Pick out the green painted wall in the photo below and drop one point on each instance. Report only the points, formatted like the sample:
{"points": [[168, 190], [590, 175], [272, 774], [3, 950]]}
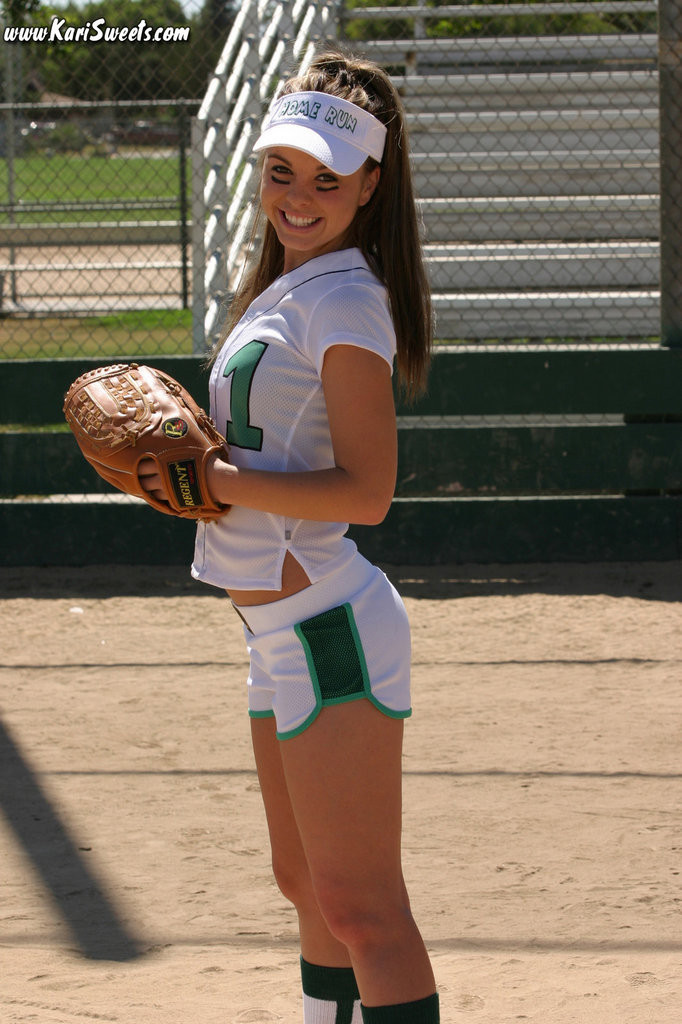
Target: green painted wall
{"points": [[501, 489]]}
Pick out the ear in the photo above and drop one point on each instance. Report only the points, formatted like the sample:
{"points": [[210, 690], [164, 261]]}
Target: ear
{"points": [[369, 186]]}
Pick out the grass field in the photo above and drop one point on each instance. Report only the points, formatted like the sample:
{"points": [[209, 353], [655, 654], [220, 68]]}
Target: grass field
{"points": [[126, 335], [152, 332], [70, 178]]}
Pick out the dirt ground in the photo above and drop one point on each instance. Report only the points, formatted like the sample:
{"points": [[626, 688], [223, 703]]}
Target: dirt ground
{"points": [[543, 785]]}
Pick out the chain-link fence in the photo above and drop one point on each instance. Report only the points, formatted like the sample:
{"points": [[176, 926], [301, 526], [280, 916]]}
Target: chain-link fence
{"points": [[95, 179], [535, 137]]}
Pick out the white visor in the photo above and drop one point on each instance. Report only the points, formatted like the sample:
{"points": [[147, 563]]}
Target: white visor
{"points": [[339, 134]]}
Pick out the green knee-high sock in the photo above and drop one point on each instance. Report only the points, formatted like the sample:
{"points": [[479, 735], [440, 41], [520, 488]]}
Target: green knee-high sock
{"points": [[423, 1011], [330, 995]]}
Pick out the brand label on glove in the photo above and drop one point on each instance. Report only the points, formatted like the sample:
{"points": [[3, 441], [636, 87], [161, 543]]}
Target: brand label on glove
{"points": [[183, 476], [175, 427]]}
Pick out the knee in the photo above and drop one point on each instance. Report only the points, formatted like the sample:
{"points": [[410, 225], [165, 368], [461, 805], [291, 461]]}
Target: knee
{"points": [[293, 881], [362, 919]]}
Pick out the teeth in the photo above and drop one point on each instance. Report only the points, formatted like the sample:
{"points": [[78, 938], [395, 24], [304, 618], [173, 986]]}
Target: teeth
{"points": [[299, 222]]}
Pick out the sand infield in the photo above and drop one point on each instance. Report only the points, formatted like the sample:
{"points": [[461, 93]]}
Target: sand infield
{"points": [[543, 786]]}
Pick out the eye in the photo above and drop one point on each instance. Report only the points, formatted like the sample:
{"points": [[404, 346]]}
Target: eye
{"points": [[282, 171], [327, 182]]}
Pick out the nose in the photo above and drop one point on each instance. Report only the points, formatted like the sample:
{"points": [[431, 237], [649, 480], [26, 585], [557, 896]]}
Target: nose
{"points": [[299, 194]]}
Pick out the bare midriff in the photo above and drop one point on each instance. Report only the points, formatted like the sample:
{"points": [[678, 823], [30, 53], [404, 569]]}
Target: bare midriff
{"points": [[294, 579]]}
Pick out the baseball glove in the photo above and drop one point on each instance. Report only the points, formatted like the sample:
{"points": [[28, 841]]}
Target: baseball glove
{"points": [[124, 413]]}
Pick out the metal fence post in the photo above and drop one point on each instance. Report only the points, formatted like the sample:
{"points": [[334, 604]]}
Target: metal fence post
{"points": [[670, 87], [184, 211], [9, 157], [198, 220]]}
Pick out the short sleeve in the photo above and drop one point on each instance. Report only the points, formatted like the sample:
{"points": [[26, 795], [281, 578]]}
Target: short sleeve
{"points": [[351, 314]]}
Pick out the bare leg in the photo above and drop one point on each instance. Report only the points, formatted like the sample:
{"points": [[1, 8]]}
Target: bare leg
{"points": [[343, 777], [318, 945]]}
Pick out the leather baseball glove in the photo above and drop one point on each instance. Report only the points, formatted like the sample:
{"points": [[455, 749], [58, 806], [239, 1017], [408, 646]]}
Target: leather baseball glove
{"points": [[125, 413]]}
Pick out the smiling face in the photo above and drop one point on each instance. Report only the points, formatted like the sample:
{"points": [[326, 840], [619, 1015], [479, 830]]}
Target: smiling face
{"points": [[310, 207]]}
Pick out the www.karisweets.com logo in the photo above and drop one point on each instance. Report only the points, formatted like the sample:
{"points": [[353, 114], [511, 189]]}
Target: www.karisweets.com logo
{"points": [[97, 31]]}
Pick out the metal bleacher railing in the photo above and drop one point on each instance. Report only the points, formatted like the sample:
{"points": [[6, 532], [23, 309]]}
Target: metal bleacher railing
{"points": [[535, 139], [265, 42], [535, 159]]}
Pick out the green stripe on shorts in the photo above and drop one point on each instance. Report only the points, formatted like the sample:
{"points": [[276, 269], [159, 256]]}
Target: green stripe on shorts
{"points": [[336, 661]]}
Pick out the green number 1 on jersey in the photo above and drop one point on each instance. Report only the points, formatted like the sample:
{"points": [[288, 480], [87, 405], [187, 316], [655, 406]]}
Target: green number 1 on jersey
{"points": [[241, 367]]}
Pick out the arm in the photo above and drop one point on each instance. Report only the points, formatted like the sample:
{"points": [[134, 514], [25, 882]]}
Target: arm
{"points": [[359, 487]]}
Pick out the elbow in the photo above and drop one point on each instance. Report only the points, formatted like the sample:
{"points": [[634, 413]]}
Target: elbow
{"points": [[370, 497], [375, 510]]}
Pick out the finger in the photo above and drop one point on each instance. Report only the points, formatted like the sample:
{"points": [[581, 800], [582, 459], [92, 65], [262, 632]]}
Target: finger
{"points": [[152, 483]]}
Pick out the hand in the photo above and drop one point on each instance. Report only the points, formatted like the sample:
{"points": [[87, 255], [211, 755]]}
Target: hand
{"points": [[220, 475], [151, 480]]}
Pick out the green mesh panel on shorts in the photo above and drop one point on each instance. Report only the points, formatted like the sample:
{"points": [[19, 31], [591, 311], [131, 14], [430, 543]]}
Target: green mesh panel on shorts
{"points": [[334, 654]]}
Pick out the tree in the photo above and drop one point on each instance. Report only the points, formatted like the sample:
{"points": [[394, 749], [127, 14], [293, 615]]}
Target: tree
{"points": [[114, 70], [19, 12], [90, 68]]}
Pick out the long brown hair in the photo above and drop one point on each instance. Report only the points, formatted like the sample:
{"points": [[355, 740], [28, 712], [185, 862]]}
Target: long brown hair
{"points": [[385, 230]]}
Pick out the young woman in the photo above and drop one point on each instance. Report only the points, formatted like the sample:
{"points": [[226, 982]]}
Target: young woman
{"points": [[302, 389]]}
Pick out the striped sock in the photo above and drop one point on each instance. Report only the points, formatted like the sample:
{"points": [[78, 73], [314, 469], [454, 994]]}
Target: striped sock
{"points": [[423, 1011], [330, 995]]}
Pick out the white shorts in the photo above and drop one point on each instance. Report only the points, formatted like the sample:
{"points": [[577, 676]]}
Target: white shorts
{"points": [[345, 638]]}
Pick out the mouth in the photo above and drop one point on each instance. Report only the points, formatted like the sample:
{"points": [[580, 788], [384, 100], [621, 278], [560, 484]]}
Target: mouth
{"points": [[298, 222]]}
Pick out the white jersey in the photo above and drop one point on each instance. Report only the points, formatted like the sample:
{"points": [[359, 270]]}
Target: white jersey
{"points": [[266, 396]]}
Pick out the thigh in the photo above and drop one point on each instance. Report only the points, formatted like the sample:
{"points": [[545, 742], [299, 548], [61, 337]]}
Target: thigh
{"points": [[344, 778], [318, 945], [285, 840]]}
